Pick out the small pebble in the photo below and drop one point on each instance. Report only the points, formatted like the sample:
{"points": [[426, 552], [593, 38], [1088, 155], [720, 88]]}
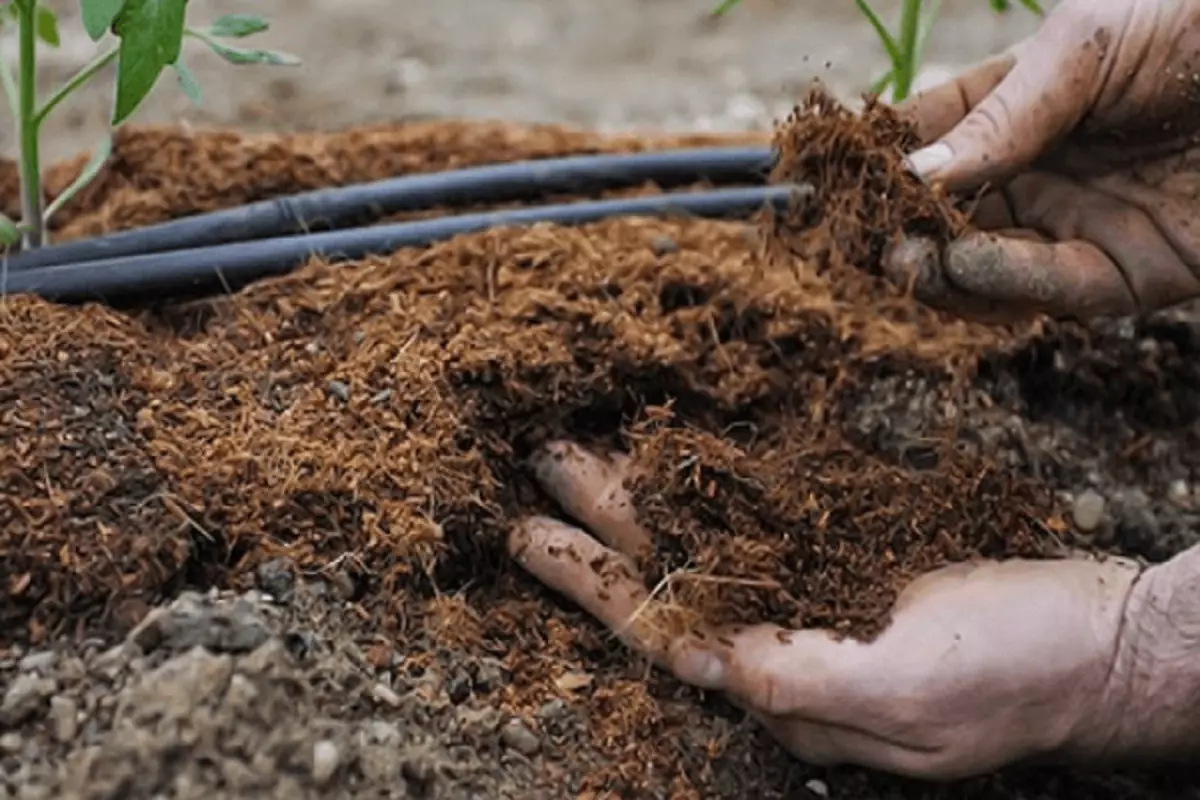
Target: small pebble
{"points": [[24, 698], [517, 736], [11, 742], [325, 761], [41, 661], [663, 245], [383, 694], [64, 718], [275, 578], [1088, 510], [817, 787], [1179, 493], [340, 390], [553, 710]]}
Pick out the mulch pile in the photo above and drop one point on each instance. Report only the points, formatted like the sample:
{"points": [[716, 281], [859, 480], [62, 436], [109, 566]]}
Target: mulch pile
{"points": [[371, 421]]}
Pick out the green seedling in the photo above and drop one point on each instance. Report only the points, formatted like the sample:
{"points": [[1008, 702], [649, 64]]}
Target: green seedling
{"points": [[905, 47], [149, 37]]}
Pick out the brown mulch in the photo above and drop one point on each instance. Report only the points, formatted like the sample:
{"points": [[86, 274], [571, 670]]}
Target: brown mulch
{"points": [[372, 420]]}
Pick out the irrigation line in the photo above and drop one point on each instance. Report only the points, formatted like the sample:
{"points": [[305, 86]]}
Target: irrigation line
{"points": [[343, 206], [227, 267]]}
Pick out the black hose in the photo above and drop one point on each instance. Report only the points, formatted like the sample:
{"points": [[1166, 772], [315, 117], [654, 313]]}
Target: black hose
{"points": [[226, 267], [339, 207]]}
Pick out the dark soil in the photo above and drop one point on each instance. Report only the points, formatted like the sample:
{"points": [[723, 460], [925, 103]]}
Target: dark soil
{"points": [[352, 439]]}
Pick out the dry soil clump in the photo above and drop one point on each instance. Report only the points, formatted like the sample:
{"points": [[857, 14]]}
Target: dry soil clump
{"points": [[367, 427]]}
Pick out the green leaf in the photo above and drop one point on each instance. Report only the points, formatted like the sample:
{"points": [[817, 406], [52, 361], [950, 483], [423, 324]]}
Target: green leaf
{"points": [[99, 16], [10, 234], [237, 55], [1034, 6], [151, 33], [889, 44], [47, 26], [880, 84], [88, 174], [187, 82], [236, 26], [726, 5]]}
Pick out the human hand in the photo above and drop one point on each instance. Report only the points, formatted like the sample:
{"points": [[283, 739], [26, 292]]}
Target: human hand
{"points": [[1088, 134], [982, 665]]}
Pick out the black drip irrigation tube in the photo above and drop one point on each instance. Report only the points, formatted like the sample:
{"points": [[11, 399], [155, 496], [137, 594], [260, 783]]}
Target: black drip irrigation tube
{"points": [[342, 206], [225, 250], [228, 267]]}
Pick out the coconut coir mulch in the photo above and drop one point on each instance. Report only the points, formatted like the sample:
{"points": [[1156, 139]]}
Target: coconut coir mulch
{"points": [[370, 422]]}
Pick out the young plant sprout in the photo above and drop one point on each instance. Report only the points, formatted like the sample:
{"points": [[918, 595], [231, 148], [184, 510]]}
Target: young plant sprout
{"points": [[905, 47], [149, 38]]}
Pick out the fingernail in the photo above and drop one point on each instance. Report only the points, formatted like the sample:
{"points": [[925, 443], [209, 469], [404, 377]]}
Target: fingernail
{"points": [[927, 161], [701, 669]]}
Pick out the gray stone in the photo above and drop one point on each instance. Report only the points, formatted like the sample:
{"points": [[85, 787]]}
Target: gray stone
{"points": [[64, 718], [516, 735], [25, 698], [1088, 510], [326, 758]]}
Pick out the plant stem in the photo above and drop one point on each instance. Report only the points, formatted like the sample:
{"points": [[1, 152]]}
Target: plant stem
{"points": [[910, 26], [78, 79], [31, 183]]}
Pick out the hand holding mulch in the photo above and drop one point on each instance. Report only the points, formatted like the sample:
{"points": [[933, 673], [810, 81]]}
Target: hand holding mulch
{"points": [[1084, 138], [982, 665]]}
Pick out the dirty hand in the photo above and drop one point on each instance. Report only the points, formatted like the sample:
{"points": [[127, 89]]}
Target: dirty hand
{"points": [[982, 665], [1086, 138]]}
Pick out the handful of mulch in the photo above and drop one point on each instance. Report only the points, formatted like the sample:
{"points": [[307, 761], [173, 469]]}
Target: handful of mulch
{"points": [[864, 197]]}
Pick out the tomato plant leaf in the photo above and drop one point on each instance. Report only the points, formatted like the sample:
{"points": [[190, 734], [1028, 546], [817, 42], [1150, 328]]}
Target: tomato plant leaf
{"points": [[99, 16], [238, 55], [10, 234], [188, 82], [47, 26], [151, 33], [236, 26]]}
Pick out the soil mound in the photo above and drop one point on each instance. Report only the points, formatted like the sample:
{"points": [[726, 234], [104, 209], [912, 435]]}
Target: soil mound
{"points": [[369, 423]]}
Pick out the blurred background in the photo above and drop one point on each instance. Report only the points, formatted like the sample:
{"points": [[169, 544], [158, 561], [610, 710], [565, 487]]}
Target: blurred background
{"points": [[600, 64]]}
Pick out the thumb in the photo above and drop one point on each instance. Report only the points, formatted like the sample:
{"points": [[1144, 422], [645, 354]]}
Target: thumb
{"points": [[777, 673], [1039, 101]]}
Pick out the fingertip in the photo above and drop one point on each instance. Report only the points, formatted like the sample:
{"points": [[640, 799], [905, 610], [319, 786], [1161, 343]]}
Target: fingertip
{"points": [[698, 665], [930, 163], [915, 264]]}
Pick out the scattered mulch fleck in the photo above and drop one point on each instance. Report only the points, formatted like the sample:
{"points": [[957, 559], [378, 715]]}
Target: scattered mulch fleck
{"points": [[369, 424]]}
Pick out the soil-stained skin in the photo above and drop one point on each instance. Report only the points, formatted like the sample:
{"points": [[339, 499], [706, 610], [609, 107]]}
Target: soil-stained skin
{"points": [[613, 64]]}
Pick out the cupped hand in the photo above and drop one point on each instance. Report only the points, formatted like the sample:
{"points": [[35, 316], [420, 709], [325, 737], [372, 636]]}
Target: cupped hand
{"points": [[982, 665], [1086, 139]]}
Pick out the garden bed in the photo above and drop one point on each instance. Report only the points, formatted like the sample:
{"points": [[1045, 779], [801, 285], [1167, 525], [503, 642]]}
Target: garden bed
{"points": [[352, 439]]}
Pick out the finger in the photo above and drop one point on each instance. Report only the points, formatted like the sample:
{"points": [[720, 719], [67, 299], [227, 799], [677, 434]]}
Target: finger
{"points": [[592, 490], [1041, 99], [936, 111], [602, 581], [1071, 279], [1153, 270], [774, 672], [915, 265]]}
